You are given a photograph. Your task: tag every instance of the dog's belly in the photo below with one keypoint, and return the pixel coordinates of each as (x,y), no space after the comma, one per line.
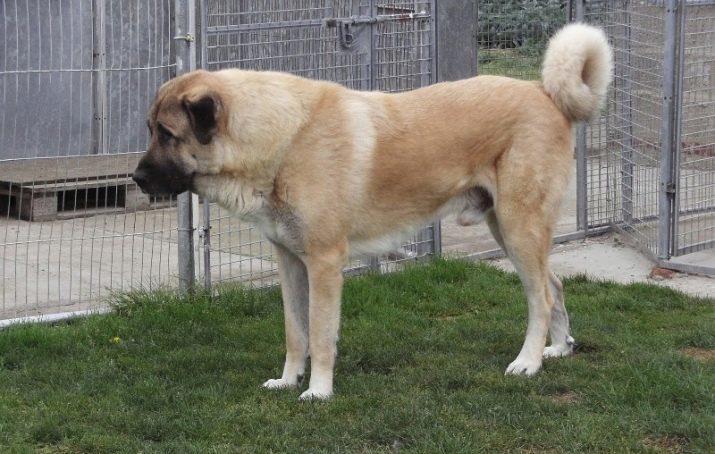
(382,244)
(470,207)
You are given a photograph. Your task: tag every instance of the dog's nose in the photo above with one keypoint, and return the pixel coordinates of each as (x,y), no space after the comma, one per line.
(140,177)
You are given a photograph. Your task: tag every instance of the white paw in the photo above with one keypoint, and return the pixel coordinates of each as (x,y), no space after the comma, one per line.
(311,394)
(561,349)
(279,383)
(522,366)
(557,351)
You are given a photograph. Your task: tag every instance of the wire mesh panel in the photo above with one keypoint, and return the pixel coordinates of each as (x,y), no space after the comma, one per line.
(390,47)
(628,180)
(283,36)
(404,49)
(695,226)
(512,36)
(76,79)
(624,144)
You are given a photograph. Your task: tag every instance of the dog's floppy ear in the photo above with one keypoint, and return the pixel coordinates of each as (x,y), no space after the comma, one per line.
(203,109)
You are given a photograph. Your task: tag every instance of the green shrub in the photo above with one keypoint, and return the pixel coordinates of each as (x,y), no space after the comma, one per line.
(519,24)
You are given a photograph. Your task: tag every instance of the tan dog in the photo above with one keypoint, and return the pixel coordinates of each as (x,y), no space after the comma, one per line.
(326,172)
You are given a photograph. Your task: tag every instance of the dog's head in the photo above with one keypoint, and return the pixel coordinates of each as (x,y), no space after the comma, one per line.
(207,127)
(184,120)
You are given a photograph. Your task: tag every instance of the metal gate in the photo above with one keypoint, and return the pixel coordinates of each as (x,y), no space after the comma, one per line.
(362,44)
(649,160)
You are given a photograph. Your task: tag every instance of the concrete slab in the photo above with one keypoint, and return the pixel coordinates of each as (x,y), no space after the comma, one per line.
(696,262)
(607,257)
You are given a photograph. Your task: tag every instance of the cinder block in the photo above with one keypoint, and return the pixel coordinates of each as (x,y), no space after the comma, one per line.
(38,206)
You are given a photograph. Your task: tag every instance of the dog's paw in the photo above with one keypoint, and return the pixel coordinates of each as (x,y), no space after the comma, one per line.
(561,349)
(522,366)
(279,383)
(311,394)
(557,351)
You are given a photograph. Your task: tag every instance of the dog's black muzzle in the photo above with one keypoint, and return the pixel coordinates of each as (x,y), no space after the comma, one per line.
(162,179)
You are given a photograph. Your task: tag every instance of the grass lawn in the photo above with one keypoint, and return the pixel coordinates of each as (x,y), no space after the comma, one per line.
(510,63)
(421,367)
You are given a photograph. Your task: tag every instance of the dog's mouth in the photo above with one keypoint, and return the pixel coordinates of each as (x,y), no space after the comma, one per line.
(163,193)
(166,192)
(161,181)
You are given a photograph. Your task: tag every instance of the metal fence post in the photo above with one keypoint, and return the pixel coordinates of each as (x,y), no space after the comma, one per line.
(678,118)
(581,168)
(454,56)
(666,188)
(456,23)
(184,33)
(626,130)
(206,236)
(100,134)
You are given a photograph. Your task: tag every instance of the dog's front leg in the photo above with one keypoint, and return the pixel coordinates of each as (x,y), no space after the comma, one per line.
(294,288)
(325,277)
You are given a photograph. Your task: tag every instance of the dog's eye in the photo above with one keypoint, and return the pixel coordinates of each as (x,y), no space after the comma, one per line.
(164,134)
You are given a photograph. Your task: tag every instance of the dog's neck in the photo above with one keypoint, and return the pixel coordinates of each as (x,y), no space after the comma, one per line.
(242,199)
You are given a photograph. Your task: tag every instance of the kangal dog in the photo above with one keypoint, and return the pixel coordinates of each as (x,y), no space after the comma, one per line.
(326,172)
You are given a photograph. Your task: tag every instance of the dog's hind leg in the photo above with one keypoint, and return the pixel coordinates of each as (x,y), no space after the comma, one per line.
(526,204)
(561,341)
(527,248)
(294,288)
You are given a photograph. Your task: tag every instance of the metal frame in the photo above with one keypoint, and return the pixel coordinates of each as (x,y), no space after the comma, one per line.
(99,81)
(669,142)
(184,15)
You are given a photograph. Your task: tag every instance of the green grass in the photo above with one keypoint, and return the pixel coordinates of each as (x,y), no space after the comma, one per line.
(509,63)
(421,367)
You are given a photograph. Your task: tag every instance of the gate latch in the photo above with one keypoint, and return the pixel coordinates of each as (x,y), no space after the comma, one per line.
(188,37)
(346,36)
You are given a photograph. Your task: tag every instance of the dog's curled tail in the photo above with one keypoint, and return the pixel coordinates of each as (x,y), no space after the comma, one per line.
(578,66)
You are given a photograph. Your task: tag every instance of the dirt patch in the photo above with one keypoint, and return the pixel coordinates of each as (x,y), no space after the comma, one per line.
(700,354)
(565,398)
(659,274)
(671,443)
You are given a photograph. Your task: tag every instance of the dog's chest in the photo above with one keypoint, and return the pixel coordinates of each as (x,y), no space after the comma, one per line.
(281,226)
(271,217)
